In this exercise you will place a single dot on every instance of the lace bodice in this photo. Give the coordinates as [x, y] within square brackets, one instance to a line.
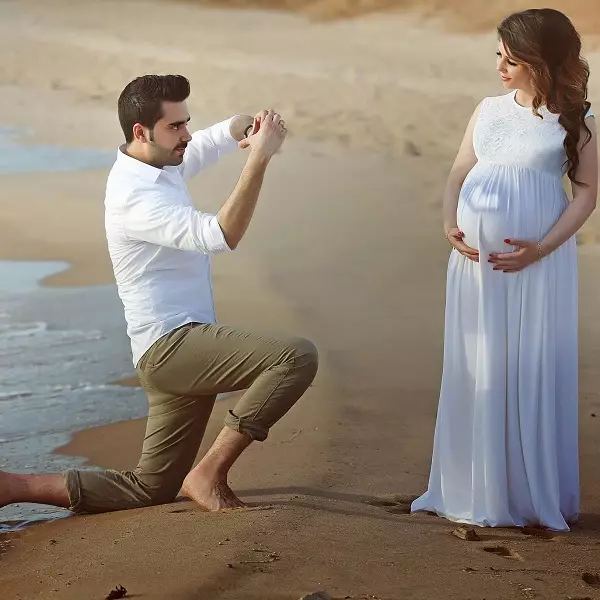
[510, 134]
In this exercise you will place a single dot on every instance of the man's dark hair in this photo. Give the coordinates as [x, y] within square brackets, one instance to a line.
[141, 100]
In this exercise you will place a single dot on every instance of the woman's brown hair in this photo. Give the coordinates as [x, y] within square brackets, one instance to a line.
[547, 43]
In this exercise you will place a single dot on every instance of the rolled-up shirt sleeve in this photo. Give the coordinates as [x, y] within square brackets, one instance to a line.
[150, 217]
[206, 147]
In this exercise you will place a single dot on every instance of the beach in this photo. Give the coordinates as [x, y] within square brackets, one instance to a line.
[346, 248]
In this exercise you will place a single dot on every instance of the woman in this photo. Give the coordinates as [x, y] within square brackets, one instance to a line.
[505, 447]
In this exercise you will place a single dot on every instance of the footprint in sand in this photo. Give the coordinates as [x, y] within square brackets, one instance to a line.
[592, 579]
[395, 503]
[541, 534]
[504, 552]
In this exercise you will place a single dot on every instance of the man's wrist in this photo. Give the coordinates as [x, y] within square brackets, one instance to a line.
[258, 159]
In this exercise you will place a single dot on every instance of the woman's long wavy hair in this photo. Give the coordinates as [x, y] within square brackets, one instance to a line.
[547, 43]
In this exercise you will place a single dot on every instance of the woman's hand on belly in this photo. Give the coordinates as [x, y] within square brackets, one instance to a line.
[455, 237]
[511, 262]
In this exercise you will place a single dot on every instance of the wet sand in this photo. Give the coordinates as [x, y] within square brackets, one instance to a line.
[346, 249]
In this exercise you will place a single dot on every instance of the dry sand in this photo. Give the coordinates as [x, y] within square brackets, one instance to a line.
[346, 248]
[464, 15]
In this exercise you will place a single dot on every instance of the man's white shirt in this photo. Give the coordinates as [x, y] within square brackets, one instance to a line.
[160, 244]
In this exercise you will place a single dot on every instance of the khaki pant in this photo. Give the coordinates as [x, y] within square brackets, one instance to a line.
[182, 373]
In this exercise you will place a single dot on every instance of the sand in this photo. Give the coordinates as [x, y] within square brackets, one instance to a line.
[346, 248]
[464, 15]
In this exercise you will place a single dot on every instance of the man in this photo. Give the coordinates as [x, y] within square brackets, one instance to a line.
[160, 247]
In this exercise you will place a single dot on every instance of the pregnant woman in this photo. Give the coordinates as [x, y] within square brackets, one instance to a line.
[506, 445]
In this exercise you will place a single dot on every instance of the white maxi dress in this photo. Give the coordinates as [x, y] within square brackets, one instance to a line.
[506, 440]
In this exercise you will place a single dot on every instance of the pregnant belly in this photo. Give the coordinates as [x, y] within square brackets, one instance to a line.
[499, 202]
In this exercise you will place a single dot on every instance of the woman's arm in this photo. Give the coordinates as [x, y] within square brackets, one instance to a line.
[574, 216]
[464, 162]
[584, 196]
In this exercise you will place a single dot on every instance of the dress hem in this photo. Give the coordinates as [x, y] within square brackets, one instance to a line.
[469, 521]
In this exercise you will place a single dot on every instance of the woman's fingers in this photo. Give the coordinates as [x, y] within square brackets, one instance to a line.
[464, 249]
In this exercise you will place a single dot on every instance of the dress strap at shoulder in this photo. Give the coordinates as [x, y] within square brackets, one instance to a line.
[498, 101]
[494, 105]
[484, 105]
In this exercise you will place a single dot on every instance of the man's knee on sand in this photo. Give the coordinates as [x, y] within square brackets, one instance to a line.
[109, 490]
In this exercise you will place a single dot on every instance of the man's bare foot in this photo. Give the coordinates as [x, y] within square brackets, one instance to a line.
[209, 493]
[6, 488]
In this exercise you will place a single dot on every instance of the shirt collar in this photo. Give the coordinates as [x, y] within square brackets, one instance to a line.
[137, 167]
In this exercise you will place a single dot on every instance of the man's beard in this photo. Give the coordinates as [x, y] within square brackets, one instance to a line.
[164, 157]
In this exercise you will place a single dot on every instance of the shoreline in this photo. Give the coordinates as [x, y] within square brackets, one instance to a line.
[56, 387]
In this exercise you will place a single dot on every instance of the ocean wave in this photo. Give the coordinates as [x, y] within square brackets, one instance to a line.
[16, 338]
[35, 328]
[14, 394]
[12, 330]
[53, 391]
[22, 519]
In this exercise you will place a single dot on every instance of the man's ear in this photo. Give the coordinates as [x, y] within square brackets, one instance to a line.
[138, 133]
